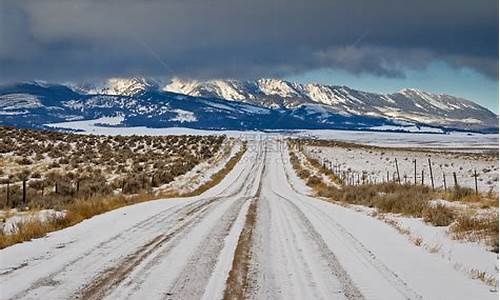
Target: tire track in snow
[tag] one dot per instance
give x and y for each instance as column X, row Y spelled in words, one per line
column 104, row 284
column 49, row 280
column 107, row 245
column 349, row 289
column 237, row 281
column 192, row 281
column 357, row 247
column 169, row 216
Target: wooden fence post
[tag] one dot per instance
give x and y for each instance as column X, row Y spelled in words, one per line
column 415, row 170
column 475, row 179
column 397, row 170
column 7, row 193
column 24, row 191
column 432, row 177
column 455, row 179
column 422, row 176
column 444, row 181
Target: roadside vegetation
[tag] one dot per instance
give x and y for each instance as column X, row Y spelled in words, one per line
column 217, row 177
column 85, row 175
column 413, row 200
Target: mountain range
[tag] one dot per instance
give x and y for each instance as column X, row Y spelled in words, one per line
column 239, row 105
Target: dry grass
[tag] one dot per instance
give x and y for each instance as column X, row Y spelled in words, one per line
column 81, row 209
column 468, row 195
column 475, row 228
column 237, row 282
column 324, row 170
column 435, row 248
column 408, row 199
column 484, row 277
column 76, row 212
column 418, row 241
column 61, row 167
column 438, row 215
column 415, row 200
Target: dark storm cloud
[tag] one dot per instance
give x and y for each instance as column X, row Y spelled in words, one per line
column 65, row 40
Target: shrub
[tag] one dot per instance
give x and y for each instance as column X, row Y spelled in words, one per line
column 303, row 173
column 476, row 228
column 313, row 180
column 461, row 194
column 438, row 215
column 24, row 161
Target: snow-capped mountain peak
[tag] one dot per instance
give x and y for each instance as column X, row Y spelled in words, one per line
column 129, row 86
column 224, row 89
column 181, row 86
column 409, row 104
column 118, row 86
column 278, row 87
column 269, row 103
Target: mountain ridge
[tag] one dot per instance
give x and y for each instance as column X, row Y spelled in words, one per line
column 408, row 104
column 263, row 104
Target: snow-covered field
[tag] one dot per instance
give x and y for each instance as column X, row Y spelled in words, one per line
column 301, row 248
column 108, row 126
column 377, row 162
column 452, row 141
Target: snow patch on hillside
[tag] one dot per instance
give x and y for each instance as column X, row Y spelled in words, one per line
column 183, row 116
column 19, row 101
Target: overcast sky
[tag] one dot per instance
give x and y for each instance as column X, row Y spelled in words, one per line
column 386, row 40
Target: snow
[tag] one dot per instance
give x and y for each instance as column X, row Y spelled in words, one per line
column 93, row 127
column 224, row 89
column 13, row 113
column 124, row 86
column 428, row 108
column 466, row 257
column 89, row 125
column 424, row 129
column 180, row 86
column 183, row 116
column 429, row 98
column 454, row 140
column 13, row 218
column 19, row 102
column 255, row 109
column 277, row 87
column 471, row 121
column 377, row 162
column 219, row 105
column 203, row 171
column 303, row 248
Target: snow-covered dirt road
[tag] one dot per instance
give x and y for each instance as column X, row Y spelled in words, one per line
column 257, row 235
